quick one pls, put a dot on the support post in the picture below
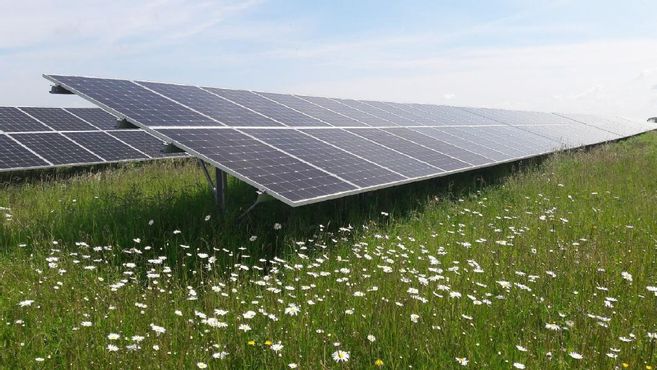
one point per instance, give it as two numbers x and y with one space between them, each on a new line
221 184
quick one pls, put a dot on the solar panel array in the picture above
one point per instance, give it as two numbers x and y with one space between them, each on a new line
33 137
303 149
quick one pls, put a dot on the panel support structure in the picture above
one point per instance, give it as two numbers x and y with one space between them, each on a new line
218 186
221 181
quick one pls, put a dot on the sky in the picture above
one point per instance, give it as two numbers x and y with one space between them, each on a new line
561 56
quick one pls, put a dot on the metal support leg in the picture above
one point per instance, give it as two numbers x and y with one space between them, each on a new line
221 183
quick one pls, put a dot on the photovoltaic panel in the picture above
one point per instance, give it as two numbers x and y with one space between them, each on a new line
56 148
136 102
104 145
268 108
145 142
345 110
616 125
13 155
13 120
449 116
253 160
396 161
58 119
96 117
323 148
222 110
425 154
471 142
313 110
441 146
336 161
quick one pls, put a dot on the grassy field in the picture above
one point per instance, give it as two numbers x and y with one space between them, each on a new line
550 265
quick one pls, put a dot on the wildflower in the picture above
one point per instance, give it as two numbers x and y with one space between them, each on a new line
220 355
371 338
340 356
253 238
414 317
652 335
462 361
292 365
201 365
251 342
553 327
86 323
26 303
158 329
292 309
277 226
113 336
518 365
521 348
576 355
249 315
276 347
112 348
378 362
627 276
39 359
244 327
176 232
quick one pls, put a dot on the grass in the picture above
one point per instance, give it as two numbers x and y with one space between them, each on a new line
474 266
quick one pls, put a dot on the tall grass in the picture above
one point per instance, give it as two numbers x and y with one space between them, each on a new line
529 264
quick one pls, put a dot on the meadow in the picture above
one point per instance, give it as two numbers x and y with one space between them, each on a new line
548 264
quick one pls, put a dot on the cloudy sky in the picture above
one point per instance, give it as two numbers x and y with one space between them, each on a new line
570 56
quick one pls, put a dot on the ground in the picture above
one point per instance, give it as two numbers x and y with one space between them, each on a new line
548 264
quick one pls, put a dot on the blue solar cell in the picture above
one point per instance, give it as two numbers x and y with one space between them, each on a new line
56 148
314 110
104 145
13 156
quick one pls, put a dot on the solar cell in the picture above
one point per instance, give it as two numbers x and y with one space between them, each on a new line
58 119
56 148
336 161
135 102
260 164
618 126
13 120
14 156
519 118
399 110
104 145
383 118
280 113
375 152
222 110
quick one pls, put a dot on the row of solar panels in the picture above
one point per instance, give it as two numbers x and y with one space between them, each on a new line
33 137
304 149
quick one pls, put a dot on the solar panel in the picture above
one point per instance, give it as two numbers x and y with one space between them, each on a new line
304 149
377 153
267 107
346 166
95 117
250 159
56 148
58 119
80 136
15 155
13 119
105 146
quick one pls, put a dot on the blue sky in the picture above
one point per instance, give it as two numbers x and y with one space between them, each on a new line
577 56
